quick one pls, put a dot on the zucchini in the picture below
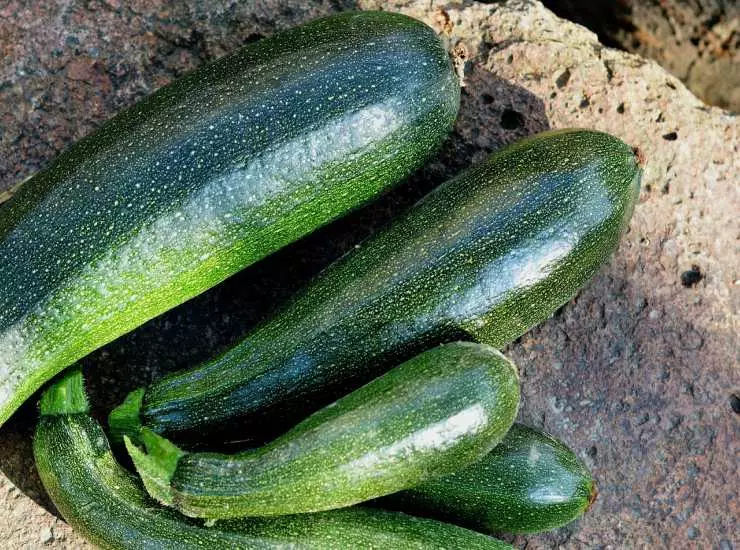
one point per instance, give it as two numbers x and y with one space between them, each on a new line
529 483
429 417
483 257
208 175
110 508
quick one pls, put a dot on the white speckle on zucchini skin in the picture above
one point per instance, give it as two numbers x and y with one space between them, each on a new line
13 350
514 270
207 176
108 506
529 483
437 437
434 414
504 245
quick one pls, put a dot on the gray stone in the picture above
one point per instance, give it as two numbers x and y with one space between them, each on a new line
46 536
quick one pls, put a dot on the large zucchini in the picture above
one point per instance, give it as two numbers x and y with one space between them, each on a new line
431 416
109 507
530 482
208 175
485 257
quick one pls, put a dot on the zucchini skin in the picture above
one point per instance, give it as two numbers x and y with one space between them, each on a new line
428 417
484 257
109 507
208 175
530 482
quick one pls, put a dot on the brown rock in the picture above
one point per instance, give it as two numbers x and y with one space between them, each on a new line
695 40
81 69
637 373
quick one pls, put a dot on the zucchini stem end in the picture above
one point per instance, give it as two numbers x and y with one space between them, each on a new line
156 464
66 396
125 419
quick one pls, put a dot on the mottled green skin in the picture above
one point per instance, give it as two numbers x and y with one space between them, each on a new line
428 417
208 175
109 507
530 482
485 257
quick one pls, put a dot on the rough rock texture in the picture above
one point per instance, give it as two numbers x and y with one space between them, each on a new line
636 373
696 40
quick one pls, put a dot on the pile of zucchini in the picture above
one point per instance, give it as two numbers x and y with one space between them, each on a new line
388 411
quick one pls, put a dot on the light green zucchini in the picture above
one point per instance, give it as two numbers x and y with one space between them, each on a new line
530 482
431 416
484 257
208 175
109 507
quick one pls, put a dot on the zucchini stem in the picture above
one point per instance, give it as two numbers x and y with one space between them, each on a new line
125 419
67 396
157 464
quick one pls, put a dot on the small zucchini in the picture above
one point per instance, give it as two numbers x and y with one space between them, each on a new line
483 257
208 175
529 483
110 508
429 417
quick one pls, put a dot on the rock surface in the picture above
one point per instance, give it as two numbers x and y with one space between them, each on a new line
636 373
696 40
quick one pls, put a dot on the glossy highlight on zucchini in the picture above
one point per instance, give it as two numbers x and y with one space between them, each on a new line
208 175
109 507
484 257
433 415
529 483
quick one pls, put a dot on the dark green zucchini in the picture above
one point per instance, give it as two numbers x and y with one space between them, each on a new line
484 257
431 416
530 482
208 175
109 507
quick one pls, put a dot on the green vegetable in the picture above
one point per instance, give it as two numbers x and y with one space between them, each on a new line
429 417
208 175
484 257
530 482
110 508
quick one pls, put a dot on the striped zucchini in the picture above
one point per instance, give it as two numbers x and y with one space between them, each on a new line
208 175
109 507
431 416
483 257
529 483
